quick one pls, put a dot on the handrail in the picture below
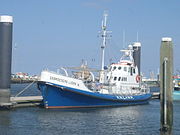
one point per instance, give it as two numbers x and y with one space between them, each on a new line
64 71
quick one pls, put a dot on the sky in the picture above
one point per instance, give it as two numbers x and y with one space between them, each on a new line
49 34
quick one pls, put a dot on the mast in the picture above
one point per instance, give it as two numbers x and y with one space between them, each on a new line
104 35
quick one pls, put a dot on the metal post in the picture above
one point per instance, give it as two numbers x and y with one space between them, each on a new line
6 23
166 86
165 90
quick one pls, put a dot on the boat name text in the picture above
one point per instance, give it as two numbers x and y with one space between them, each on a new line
63 81
124 97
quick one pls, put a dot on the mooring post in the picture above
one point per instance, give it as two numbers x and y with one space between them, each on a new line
166 86
6 24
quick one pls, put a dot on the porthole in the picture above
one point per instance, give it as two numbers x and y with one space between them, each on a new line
119 68
114 68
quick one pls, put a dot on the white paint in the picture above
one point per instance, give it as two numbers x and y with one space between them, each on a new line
6 18
66 81
137 44
166 39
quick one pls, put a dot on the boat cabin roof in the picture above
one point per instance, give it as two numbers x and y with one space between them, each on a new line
122 63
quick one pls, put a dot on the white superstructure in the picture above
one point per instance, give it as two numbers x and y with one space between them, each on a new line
123 76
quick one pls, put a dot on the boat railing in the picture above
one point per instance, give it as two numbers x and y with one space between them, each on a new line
144 88
94 86
129 90
121 90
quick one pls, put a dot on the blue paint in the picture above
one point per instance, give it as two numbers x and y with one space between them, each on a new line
58 96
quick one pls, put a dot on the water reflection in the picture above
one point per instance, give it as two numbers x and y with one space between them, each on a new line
92 121
130 120
5 121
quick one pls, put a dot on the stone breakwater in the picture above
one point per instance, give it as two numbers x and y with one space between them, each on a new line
20 80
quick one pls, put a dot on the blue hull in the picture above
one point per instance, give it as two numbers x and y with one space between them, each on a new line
56 96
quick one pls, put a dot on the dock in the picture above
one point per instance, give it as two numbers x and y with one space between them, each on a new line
26 101
156 95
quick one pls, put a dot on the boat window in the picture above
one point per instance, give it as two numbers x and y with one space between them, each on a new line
134 71
131 72
114 67
119 68
129 69
125 68
123 79
115 78
119 79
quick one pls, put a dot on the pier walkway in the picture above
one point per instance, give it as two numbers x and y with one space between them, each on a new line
26 101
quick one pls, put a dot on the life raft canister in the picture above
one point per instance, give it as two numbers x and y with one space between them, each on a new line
138 78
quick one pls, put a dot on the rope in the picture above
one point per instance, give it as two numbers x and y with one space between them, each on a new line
24 89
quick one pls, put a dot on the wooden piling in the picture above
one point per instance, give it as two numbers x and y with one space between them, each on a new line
166 86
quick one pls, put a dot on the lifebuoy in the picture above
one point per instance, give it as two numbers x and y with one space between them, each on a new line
138 78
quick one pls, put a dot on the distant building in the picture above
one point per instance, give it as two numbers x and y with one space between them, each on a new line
22 75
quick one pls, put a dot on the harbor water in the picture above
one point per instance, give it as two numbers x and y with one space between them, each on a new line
129 120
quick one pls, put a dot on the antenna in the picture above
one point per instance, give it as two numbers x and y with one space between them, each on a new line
124 36
137 36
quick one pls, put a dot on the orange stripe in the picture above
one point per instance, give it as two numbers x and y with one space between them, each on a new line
63 107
